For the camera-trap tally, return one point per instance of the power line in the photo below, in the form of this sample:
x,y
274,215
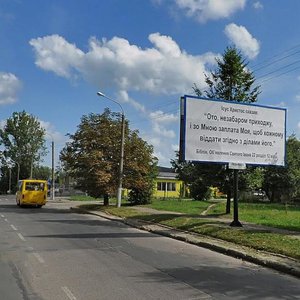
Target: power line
x,y
163,105
277,70
279,75
270,60
275,61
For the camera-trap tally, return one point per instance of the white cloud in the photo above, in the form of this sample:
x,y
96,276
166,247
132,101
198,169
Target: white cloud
x,y
162,149
51,133
280,104
162,140
204,10
10,85
175,147
162,131
54,53
165,45
162,69
161,117
258,5
124,97
243,40
2,124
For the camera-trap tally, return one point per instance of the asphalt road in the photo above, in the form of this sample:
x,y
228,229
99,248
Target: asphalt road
x,y
52,253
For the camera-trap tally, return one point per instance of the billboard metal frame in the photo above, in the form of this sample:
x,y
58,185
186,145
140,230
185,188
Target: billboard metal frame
x,y
183,120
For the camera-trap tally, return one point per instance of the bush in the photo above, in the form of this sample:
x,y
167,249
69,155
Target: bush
x,y
199,191
140,196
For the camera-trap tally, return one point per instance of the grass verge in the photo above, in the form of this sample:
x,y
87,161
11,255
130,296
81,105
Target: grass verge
x,y
273,215
259,240
181,206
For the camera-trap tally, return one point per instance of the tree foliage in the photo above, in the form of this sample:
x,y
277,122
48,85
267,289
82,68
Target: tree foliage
x,y
93,154
283,183
23,142
232,81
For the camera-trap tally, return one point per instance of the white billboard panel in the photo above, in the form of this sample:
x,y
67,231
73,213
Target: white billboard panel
x,y
231,132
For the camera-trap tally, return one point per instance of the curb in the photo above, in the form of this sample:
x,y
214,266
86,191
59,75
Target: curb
x,y
277,262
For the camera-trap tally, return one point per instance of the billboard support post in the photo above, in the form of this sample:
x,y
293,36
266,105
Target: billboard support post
x,y
235,222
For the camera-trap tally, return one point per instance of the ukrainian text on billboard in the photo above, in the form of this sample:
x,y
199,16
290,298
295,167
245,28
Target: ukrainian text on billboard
x,y
225,131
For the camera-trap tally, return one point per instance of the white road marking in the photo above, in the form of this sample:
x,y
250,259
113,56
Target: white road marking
x,y
68,293
5,220
13,227
2,216
39,258
21,237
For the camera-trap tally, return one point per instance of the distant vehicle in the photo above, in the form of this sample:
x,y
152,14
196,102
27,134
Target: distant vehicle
x,y
260,193
32,192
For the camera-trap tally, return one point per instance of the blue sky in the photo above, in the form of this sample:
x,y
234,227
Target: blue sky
x,y
145,54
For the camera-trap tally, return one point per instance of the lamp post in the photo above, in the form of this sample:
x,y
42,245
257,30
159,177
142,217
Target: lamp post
x,y
18,172
119,194
52,168
9,180
30,152
53,175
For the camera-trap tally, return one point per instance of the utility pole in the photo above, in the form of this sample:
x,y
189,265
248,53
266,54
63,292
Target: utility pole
x,y
53,172
9,180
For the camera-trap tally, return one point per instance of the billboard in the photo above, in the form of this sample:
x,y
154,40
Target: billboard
x,y
232,132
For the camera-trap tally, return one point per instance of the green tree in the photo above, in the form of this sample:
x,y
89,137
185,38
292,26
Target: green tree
x,y
198,176
232,81
23,142
42,172
283,184
92,156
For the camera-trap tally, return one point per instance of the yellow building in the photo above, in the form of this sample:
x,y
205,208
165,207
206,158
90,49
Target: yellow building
x,y
167,185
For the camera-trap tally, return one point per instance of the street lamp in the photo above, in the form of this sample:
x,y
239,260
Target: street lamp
x,y
119,194
9,180
53,176
18,172
52,170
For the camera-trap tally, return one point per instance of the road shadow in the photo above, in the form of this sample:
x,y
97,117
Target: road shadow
x,y
99,222
227,282
13,208
106,235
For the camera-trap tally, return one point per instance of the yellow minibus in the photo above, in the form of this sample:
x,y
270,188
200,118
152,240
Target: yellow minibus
x,y
32,192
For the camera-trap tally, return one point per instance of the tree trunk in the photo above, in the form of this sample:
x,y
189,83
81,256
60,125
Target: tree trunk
x,y
106,200
228,201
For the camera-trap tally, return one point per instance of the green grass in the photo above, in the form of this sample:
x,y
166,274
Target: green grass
x,y
83,198
181,206
259,240
272,242
123,212
273,215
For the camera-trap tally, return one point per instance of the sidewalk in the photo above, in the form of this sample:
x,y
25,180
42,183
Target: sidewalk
x,y
275,261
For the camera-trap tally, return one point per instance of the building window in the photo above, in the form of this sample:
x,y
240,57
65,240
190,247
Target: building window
x,y
171,186
166,186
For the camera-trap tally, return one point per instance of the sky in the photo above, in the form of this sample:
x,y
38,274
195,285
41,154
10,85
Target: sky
x,y
145,54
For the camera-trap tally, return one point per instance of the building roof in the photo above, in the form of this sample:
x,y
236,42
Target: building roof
x,y
166,173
